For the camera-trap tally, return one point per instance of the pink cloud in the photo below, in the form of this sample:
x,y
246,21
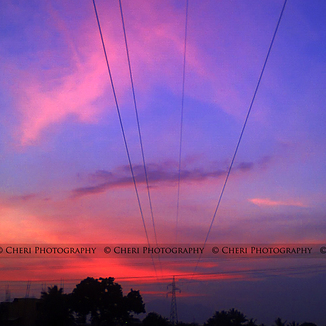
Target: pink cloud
x,y
269,202
81,90
48,97
68,80
74,96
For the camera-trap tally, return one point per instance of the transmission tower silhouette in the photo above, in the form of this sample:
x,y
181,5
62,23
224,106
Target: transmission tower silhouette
x,y
173,311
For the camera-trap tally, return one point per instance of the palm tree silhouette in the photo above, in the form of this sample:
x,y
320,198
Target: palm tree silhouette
x,y
54,308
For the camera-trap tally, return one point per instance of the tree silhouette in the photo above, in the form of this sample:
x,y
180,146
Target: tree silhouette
x,y
293,323
85,299
104,301
154,319
231,318
134,302
3,312
252,322
54,308
279,322
220,318
237,318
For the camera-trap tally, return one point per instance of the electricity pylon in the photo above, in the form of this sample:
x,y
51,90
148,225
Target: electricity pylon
x,y
173,311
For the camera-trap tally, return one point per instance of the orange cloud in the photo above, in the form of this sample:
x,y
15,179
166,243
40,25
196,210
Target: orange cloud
x,y
269,202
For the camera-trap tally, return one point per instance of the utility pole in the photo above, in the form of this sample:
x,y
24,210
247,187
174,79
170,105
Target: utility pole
x,y
28,287
43,287
173,311
8,298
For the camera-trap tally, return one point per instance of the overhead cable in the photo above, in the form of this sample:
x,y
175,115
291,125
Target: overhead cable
x,y
122,128
138,123
181,120
243,129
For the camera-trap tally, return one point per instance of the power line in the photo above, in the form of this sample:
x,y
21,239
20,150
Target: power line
x,y
122,128
293,270
137,118
181,120
243,128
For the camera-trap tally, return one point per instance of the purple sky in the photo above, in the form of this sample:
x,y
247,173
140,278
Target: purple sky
x,y
63,166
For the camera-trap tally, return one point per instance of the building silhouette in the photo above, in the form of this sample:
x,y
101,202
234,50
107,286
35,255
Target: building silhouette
x,y
19,312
